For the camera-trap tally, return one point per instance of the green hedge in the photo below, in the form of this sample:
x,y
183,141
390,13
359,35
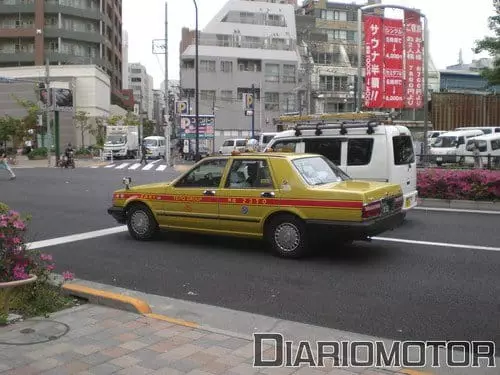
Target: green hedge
x,y
38,153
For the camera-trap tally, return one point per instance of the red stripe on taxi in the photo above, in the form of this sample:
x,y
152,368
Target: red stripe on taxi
x,y
243,200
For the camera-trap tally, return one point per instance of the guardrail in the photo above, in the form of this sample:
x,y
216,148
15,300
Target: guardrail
x,y
462,161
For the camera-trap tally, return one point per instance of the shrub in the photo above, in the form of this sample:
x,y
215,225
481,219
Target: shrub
x,y
18,262
38,153
476,185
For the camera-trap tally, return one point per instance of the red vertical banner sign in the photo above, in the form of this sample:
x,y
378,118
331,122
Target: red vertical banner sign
x,y
414,61
393,64
374,61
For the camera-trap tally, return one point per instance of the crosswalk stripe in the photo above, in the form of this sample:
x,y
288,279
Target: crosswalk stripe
x,y
135,166
94,166
109,166
148,167
161,167
122,166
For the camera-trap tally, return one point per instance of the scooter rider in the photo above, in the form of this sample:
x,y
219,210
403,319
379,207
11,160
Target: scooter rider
x,y
68,153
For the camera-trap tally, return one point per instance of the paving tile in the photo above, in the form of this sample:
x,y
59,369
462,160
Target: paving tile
x,y
194,334
95,359
134,370
184,365
124,337
216,367
277,370
233,343
244,369
309,371
87,349
145,354
198,372
25,370
150,339
69,356
342,372
217,350
69,368
205,342
168,371
4,366
216,337
202,357
170,331
104,369
231,360
246,351
133,345
125,361
180,352
115,352
163,346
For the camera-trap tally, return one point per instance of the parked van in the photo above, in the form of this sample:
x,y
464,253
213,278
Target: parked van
x,y
231,145
156,146
265,138
485,129
364,150
488,144
450,147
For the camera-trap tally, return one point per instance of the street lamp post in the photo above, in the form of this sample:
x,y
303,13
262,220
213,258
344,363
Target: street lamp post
x,y
196,90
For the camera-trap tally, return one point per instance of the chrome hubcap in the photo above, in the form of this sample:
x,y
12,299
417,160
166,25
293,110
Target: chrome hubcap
x,y
287,237
139,222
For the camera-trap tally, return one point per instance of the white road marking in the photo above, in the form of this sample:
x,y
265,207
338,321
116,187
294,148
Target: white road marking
x,y
122,166
135,166
110,166
123,228
161,168
437,209
76,237
437,244
156,161
94,166
148,167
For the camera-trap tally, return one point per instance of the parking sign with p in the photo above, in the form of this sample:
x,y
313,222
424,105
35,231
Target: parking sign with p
x,y
181,107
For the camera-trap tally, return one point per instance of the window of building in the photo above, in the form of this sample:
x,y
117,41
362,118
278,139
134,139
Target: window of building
x,y
272,101
340,84
226,66
326,83
326,58
289,102
272,73
207,94
207,66
223,40
333,15
136,71
135,79
226,95
289,72
359,151
188,93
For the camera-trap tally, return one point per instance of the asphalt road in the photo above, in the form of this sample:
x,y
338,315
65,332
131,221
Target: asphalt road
x,y
393,290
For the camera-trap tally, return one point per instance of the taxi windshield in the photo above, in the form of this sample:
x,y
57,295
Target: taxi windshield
x,y
445,142
319,170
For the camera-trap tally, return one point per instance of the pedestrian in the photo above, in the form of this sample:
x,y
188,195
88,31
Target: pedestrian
x,y
478,160
4,164
144,153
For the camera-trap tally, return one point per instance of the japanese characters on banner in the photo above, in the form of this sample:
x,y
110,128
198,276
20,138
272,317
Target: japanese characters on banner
x,y
393,64
374,60
414,60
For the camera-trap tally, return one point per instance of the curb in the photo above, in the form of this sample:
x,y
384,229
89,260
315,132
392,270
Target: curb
x,y
120,302
459,204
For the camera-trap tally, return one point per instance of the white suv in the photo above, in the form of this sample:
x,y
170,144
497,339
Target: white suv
x,y
231,145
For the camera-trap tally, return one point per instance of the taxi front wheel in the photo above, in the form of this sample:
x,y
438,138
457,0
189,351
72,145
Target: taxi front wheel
x,y
287,236
141,223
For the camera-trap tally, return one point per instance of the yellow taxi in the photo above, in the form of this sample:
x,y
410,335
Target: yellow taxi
x,y
283,198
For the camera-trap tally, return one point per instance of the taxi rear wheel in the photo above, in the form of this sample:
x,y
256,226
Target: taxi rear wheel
x,y
287,236
141,223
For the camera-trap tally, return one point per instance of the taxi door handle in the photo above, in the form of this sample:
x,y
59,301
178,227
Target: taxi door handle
x,y
267,194
209,192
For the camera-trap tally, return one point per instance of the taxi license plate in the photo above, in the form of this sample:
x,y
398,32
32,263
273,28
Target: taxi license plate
x,y
407,202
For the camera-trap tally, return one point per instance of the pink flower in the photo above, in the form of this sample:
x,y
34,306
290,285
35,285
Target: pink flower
x,y
51,267
3,223
67,276
46,257
18,224
19,272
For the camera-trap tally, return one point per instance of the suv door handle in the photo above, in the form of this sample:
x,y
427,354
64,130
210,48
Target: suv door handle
x,y
267,194
209,192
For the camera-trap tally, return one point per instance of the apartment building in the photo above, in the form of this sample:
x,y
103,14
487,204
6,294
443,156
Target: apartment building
x,y
66,32
247,43
141,83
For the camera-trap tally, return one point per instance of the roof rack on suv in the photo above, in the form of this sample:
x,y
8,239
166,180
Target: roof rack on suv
x,y
342,125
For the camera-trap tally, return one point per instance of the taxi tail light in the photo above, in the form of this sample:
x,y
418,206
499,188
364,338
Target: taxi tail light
x,y
398,202
372,210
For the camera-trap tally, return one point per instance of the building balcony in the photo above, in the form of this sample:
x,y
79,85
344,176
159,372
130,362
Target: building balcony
x,y
53,6
17,6
91,37
235,42
17,57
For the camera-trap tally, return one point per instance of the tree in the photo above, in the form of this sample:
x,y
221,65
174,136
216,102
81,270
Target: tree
x,y
82,122
9,129
491,44
100,131
148,128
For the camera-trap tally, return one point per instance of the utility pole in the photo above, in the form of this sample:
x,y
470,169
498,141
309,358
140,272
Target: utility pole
x,y
253,110
166,120
47,110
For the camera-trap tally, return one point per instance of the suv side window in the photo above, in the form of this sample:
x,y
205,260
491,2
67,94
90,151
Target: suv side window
x,y
285,145
329,148
359,151
402,148
495,145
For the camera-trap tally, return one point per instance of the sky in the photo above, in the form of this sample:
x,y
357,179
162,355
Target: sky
x,y
453,25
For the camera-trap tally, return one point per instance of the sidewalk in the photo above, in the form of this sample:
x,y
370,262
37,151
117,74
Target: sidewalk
x,y
24,162
91,339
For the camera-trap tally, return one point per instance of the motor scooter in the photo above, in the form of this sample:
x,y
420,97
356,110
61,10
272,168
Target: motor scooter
x,y
67,161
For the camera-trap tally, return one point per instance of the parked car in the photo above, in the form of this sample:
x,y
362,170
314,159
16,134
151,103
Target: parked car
x,y
284,198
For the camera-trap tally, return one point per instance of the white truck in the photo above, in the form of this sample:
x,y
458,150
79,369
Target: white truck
x,y
122,141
